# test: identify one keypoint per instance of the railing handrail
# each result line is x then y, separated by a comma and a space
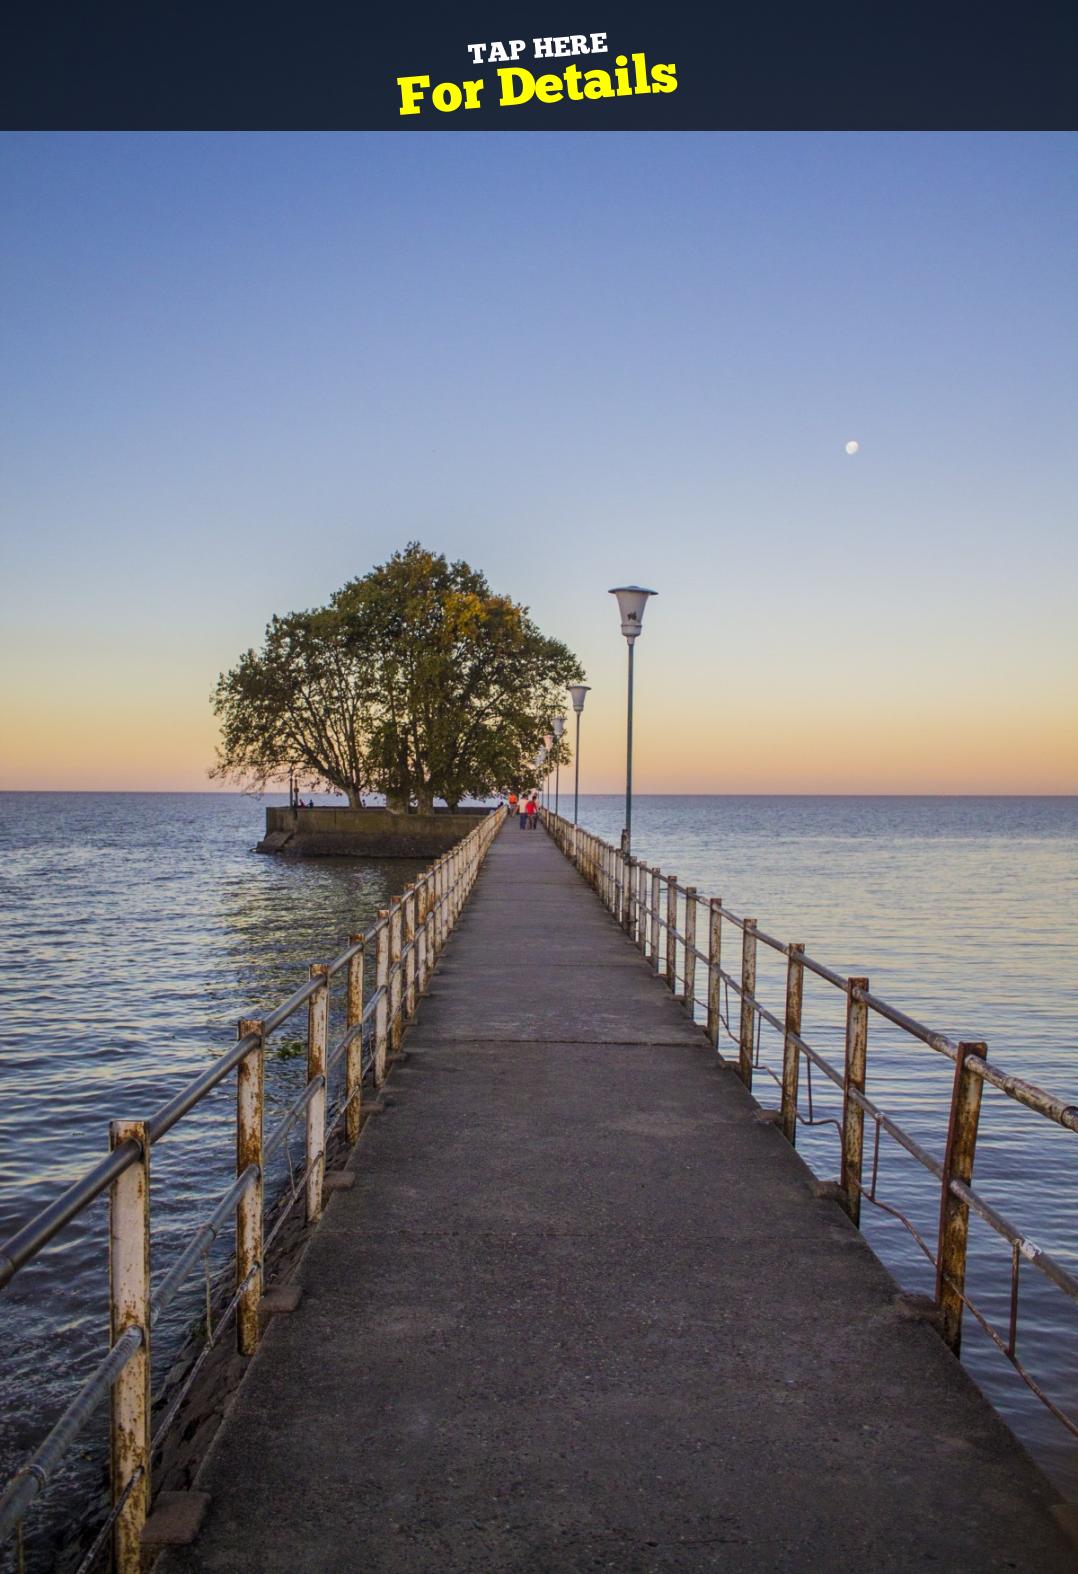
622, 883
429, 908
1018, 1088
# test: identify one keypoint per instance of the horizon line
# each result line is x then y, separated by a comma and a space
203, 792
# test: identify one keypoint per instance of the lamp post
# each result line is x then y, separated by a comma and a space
558, 725
632, 599
548, 744
578, 692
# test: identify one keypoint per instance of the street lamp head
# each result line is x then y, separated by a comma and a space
558, 724
632, 600
548, 740
540, 756
577, 693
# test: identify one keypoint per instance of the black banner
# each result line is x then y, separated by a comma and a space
581, 66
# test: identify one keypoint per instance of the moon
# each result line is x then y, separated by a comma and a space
852, 446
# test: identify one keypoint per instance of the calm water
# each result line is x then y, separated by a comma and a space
138, 928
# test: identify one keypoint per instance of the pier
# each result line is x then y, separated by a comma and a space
572, 1300
583, 1309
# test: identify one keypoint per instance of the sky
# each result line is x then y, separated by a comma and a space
238, 370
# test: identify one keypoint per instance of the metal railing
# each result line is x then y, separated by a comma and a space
406, 941
650, 906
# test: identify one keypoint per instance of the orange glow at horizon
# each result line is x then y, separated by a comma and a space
134, 744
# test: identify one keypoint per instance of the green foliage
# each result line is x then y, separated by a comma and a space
300, 702
416, 680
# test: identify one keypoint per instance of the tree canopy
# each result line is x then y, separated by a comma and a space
416, 680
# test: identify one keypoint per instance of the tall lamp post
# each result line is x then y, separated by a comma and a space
548, 744
632, 599
557, 724
578, 692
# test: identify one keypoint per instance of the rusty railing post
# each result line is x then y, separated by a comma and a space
954, 1213
409, 952
440, 913
714, 966
747, 1026
381, 984
791, 1055
671, 931
250, 1104
655, 917
353, 1055
431, 948
853, 1116
642, 907
317, 1023
129, 1306
394, 974
422, 895
628, 901
690, 951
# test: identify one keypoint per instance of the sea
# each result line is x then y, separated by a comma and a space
136, 929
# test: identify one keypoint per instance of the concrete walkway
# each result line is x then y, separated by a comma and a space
581, 1311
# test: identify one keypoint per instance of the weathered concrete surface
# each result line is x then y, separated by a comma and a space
581, 1311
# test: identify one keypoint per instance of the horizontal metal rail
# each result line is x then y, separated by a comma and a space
664, 925
32, 1478
201, 1241
405, 940
291, 1115
27, 1242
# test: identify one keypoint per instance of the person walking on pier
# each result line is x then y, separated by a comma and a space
522, 807
531, 812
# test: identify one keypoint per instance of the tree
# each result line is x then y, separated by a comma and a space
416, 680
465, 683
301, 702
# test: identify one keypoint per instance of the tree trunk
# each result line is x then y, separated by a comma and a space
355, 798
424, 800
397, 802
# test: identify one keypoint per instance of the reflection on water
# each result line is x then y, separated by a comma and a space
139, 928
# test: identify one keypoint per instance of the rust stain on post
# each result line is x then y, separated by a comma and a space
628, 904
853, 1116
714, 963
381, 984
791, 1059
353, 1055
747, 1025
317, 1023
409, 952
250, 1107
954, 1213
439, 906
129, 1306
394, 974
671, 931
421, 910
655, 917
689, 979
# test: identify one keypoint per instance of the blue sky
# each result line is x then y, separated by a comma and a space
240, 369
